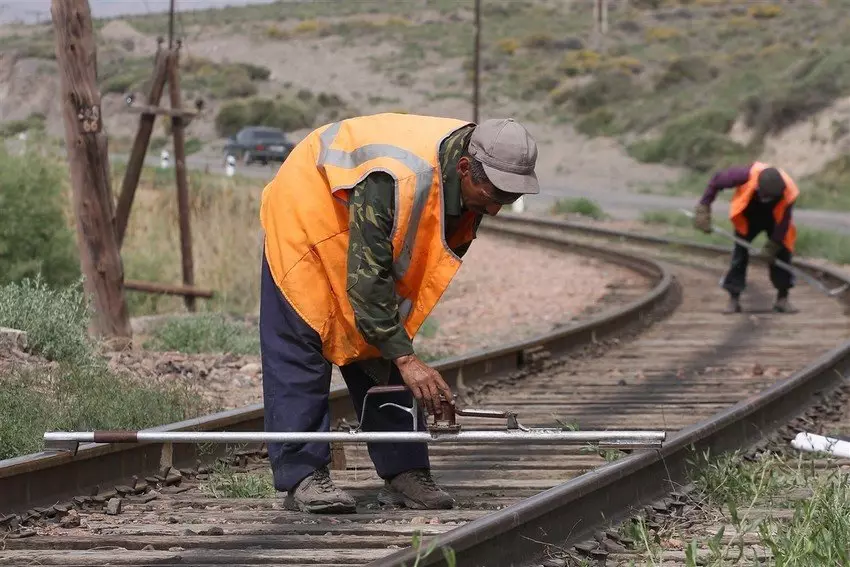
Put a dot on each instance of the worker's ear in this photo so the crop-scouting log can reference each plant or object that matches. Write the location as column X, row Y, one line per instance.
column 463, row 166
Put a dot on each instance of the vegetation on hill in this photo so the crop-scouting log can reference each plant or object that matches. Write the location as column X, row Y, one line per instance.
column 672, row 79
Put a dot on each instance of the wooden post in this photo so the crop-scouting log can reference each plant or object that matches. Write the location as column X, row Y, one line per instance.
column 89, row 167
column 177, row 131
column 476, row 87
column 140, row 148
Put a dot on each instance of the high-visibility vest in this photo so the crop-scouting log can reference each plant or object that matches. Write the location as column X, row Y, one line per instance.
column 745, row 193
column 304, row 213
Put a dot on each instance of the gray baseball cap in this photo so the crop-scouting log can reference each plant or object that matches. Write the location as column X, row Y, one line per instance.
column 508, row 153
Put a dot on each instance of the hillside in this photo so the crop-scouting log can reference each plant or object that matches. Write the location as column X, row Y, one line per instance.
column 673, row 87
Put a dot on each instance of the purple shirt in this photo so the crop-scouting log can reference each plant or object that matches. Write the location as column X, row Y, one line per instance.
column 733, row 177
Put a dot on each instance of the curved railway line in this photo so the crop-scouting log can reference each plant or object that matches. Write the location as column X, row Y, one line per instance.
column 656, row 356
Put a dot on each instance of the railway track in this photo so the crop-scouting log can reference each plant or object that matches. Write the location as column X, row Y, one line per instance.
column 660, row 356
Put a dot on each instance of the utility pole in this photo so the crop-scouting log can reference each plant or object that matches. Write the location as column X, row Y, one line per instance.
column 87, row 146
column 476, row 63
column 600, row 22
column 171, row 26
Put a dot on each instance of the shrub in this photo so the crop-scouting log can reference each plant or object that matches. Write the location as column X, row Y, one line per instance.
column 508, row 45
column 55, row 319
column 598, row 122
column 580, row 62
column 697, row 141
column 35, row 236
column 539, row 40
column 579, row 206
column 808, row 87
column 765, row 11
column 662, row 33
column 624, row 63
column 688, row 69
column 607, row 87
column 211, row 332
column 286, row 113
column 34, row 121
column 78, row 391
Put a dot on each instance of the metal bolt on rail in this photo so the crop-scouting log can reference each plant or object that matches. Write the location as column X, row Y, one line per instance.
column 444, row 429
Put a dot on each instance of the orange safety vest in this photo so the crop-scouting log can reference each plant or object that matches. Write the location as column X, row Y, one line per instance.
column 744, row 194
column 304, row 214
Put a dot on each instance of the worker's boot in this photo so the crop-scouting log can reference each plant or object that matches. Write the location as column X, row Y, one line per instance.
column 734, row 305
column 415, row 489
column 782, row 305
column 317, row 493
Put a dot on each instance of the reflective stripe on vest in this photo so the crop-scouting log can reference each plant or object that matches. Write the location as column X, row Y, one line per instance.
column 349, row 160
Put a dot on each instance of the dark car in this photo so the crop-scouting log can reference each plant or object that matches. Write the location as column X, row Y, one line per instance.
column 258, row 143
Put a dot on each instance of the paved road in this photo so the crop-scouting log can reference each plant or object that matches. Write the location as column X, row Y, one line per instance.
column 618, row 204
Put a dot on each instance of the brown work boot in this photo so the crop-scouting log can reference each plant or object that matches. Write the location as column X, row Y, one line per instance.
column 734, row 305
column 318, row 494
column 782, row 305
column 415, row 489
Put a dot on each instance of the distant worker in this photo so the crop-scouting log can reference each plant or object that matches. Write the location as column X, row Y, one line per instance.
column 763, row 201
column 365, row 224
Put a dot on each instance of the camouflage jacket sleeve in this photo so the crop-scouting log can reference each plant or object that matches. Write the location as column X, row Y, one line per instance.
column 370, row 286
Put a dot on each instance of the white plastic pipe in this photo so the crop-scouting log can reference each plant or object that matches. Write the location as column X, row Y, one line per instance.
column 820, row 444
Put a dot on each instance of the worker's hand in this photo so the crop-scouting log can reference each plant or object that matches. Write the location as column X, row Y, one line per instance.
column 702, row 218
column 425, row 383
column 770, row 250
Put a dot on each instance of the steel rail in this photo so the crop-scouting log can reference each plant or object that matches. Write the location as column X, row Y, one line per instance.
column 570, row 512
column 47, row 477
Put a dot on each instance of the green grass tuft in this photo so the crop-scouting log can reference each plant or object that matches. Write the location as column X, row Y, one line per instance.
column 208, row 332
column 579, row 206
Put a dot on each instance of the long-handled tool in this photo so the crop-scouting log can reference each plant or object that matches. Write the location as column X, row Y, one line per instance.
column 444, row 429
column 784, row 265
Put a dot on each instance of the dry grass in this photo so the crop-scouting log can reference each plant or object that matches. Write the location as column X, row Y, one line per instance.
column 226, row 244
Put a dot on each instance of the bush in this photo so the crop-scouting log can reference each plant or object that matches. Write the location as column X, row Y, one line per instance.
column 697, row 141
column 579, row 206
column 283, row 114
column 34, row 121
column 580, row 62
column 286, row 113
column 765, row 11
column 78, row 391
column 34, row 234
column 205, row 333
column 55, row 319
column 607, row 87
column 688, row 69
column 808, row 87
column 598, row 122
column 662, row 34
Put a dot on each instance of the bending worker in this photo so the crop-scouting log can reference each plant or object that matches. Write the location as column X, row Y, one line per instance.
column 365, row 224
column 763, row 201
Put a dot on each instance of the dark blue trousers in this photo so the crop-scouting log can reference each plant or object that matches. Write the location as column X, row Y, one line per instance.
column 296, row 384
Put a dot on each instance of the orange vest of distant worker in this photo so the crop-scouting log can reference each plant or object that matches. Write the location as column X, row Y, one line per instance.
column 744, row 193
column 304, row 214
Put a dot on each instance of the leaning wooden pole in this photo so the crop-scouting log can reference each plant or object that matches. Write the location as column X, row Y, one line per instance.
column 88, row 161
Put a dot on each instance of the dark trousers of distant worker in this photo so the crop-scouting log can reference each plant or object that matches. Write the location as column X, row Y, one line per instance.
column 735, row 280
column 296, row 383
